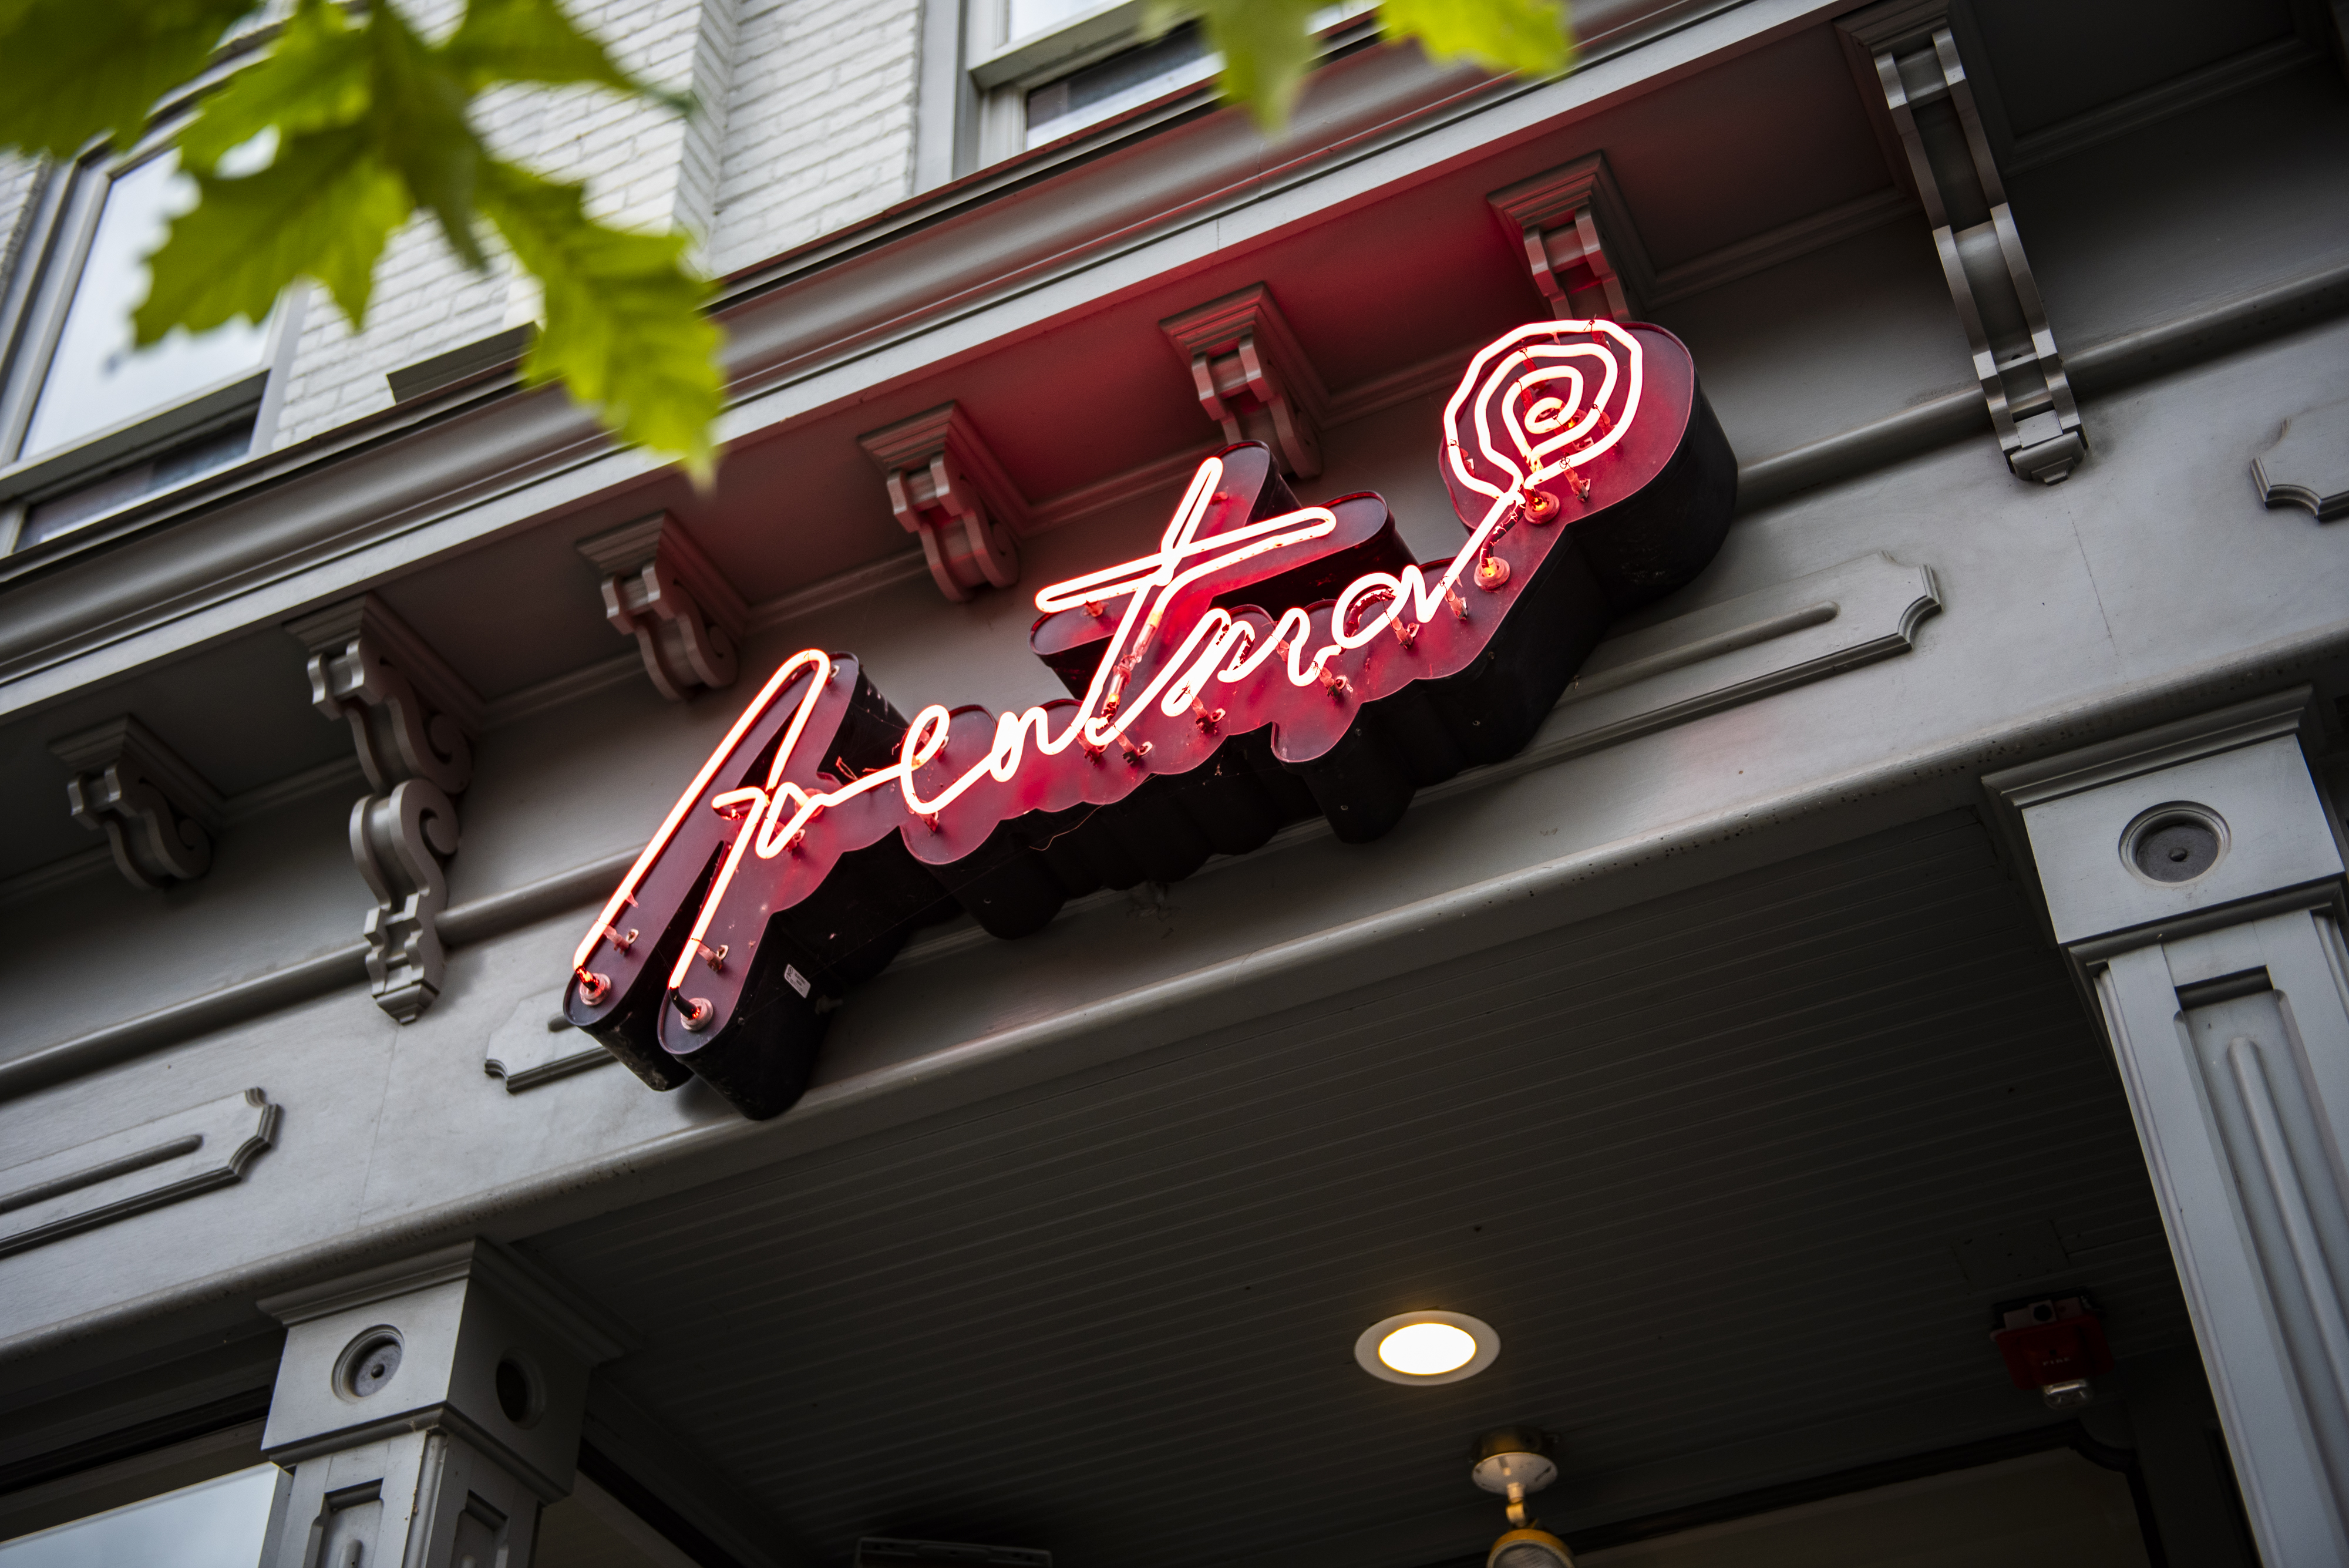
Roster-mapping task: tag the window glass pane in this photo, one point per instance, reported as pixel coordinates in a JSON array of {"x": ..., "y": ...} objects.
[
  {"x": 1136, "y": 76},
  {"x": 1035, "y": 16},
  {"x": 1120, "y": 82},
  {"x": 88, "y": 502},
  {"x": 212, "y": 1525},
  {"x": 96, "y": 378}
]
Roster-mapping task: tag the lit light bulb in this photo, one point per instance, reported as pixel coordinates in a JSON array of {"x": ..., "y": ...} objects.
[{"x": 1427, "y": 1349}]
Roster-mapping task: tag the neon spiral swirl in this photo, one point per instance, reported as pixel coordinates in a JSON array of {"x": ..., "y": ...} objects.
[{"x": 1540, "y": 402}]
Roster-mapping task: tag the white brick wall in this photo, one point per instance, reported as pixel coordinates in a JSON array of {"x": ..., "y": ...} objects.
[
  {"x": 806, "y": 123},
  {"x": 640, "y": 162},
  {"x": 820, "y": 131},
  {"x": 425, "y": 303},
  {"x": 19, "y": 180},
  {"x": 704, "y": 146}
]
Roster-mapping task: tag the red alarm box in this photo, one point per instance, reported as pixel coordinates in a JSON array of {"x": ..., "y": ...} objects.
[{"x": 2054, "y": 1345}]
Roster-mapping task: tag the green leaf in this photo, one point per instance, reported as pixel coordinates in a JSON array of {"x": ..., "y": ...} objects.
[
  {"x": 80, "y": 69},
  {"x": 1268, "y": 45},
  {"x": 534, "y": 41},
  {"x": 625, "y": 329},
  {"x": 371, "y": 123},
  {"x": 1532, "y": 38},
  {"x": 316, "y": 77},
  {"x": 322, "y": 209},
  {"x": 422, "y": 131}
]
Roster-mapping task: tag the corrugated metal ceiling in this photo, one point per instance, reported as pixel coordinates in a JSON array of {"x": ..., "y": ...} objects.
[{"x": 1701, "y": 1164}]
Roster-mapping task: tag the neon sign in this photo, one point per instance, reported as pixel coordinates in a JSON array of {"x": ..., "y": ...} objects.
[{"x": 1268, "y": 661}]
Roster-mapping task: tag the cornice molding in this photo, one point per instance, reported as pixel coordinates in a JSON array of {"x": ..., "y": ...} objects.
[
  {"x": 845, "y": 587},
  {"x": 2307, "y": 465},
  {"x": 42, "y": 879},
  {"x": 948, "y": 489},
  {"x": 1159, "y": 473},
  {"x": 2162, "y": 102},
  {"x": 330, "y": 777},
  {"x": 561, "y": 691},
  {"x": 1252, "y": 376},
  {"x": 2100, "y": 368},
  {"x": 157, "y": 813},
  {"x": 1022, "y": 171},
  {"x": 129, "y": 1170},
  {"x": 2291, "y": 711},
  {"x": 584, "y": 1328},
  {"x": 1905, "y": 56},
  {"x": 1261, "y": 980},
  {"x": 1708, "y": 658},
  {"x": 1582, "y": 248},
  {"x": 659, "y": 588},
  {"x": 412, "y": 720},
  {"x": 279, "y": 534},
  {"x": 1800, "y": 238}
]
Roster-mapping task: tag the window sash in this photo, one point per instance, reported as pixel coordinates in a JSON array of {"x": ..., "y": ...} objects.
[{"x": 92, "y": 373}]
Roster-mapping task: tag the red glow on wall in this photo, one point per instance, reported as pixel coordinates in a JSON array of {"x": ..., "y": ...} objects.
[{"x": 1267, "y": 660}]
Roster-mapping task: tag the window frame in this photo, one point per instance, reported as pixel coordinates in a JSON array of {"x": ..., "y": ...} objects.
[
  {"x": 144, "y": 1472},
  {"x": 975, "y": 80},
  {"x": 66, "y": 205},
  {"x": 1003, "y": 71}
]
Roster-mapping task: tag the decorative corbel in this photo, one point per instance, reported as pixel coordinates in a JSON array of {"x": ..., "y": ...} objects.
[
  {"x": 661, "y": 589},
  {"x": 948, "y": 491},
  {"x": 412, "y": 719},
  {"x": 1579, "y": 241},
  {"x": 1253, "y": 377},
  {"x": 2307, "y": 465},
  {"x": 157, "y": 814},
  {"x": 1904, "y": 52}
]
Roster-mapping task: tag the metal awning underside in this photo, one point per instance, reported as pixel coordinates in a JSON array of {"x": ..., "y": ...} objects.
[{"x": 1706, "y": 1164}]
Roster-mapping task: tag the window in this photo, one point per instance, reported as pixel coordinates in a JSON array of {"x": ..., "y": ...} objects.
[
  {"x": 1126, "y": 80},
  {"x": 219, "y": 1523},
  {"x": 1028, "y": 18},
  {"x": 1037, "y": 70},
  {"x": 95, "y": 377},
  {"x": 88, "y": 423}
]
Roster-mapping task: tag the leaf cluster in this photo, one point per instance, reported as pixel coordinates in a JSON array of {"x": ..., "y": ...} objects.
[
  {"x": 1268, "y": 45},
  {"x": 366, "y": 123},
  {"x": 371, "y": 123}
]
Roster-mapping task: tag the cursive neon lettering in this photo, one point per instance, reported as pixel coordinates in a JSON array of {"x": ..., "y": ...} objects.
[{"x": 1257, "y": 622}]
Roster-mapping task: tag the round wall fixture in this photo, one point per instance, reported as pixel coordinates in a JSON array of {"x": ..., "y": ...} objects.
[
  {"x": 517, "y": 1387},
  {"x": 2175, "y": 843},
  {"x": 367, "y": 1362},
  {"x": 1427, "y": 1348}
]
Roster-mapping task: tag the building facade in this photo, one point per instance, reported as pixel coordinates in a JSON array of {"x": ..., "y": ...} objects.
[{"x": 1837, "y": 989}]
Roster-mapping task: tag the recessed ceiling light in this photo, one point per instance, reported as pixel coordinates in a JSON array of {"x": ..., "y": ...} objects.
[{"x": 1423, "y": 1348}]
